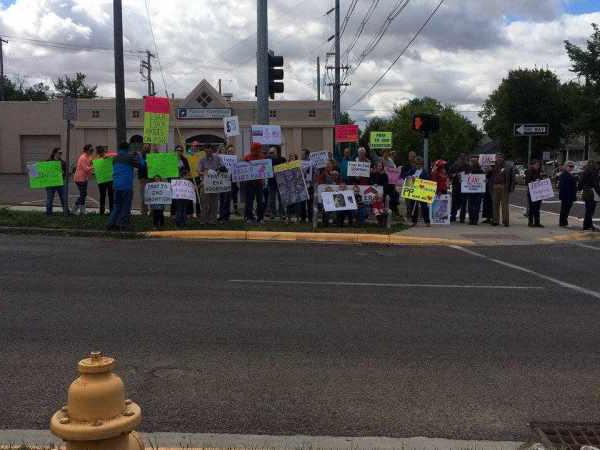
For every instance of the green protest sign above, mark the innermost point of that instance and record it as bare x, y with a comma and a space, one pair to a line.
164, 165
45, 174
103, 169
380, 139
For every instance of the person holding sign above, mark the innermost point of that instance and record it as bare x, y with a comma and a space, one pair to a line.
104, 187
502, 179
83, 172
531, 175
473, 200
590, 185
567, 192
55, 155
254, 189
423, 207
210, 165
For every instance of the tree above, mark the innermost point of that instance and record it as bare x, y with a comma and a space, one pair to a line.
16, 90
526, 96
346, 119
74, 87
456, 135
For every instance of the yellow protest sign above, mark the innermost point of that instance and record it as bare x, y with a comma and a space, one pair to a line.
287, 166
419, 190
156, 120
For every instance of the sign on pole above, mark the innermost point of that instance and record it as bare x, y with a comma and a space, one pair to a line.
156, 120
531, 129
69, 108
380, 139
231, 126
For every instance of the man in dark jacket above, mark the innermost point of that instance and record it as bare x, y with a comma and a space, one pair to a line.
567, 192
459, 201
123, 166
590, 185
502, 179
474, 199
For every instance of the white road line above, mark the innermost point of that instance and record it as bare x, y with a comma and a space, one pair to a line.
549, 212
586, 246
561, 283
392, 285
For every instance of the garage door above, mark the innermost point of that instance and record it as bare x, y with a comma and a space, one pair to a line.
37, 148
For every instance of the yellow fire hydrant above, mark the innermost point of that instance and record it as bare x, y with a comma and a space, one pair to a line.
97, 415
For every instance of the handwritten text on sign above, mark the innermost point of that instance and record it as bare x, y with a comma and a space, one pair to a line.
472, 183
45, 174
359, 169
319, 159
156, 120
541, 190
419, 190
183, 190
158, 193
217, 182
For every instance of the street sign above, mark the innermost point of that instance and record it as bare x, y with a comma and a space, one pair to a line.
531, 129
69, 108
546, 156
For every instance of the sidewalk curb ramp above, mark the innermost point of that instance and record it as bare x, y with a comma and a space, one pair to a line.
276, 236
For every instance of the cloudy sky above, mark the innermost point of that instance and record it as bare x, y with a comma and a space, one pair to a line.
459, 58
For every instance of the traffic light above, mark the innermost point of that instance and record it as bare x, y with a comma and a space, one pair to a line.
275, 75
425, 123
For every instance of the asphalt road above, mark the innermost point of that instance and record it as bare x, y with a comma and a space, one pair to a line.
262, 338
519, 198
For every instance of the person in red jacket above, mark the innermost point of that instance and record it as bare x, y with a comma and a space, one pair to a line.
254, 189
440, 176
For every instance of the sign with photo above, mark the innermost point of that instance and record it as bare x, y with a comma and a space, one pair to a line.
439, 212
266, 134
231, 125
45, 174
259, 169
339, 201
368, 193
307, 171
290, 183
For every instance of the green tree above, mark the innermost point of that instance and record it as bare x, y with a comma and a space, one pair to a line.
16, 90
526, 96
74, 87
346, 119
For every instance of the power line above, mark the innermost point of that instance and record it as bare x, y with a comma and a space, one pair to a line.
162, 73
349, 13
67, 46
361, 27
414, 38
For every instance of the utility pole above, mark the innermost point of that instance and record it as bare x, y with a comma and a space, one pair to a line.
262, 63
220, 87
337, 94
2, 41
119, 73
318, 79
146, 73
586, 137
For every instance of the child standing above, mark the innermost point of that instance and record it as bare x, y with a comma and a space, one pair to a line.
158, 212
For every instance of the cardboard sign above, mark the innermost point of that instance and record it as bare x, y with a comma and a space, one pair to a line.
156, 120
393, 174
473, 183
266, 134
319, 159
419, 190
290, 183
45, 174
339, 201
217, 182
368, 193
228, 161
183, 190
346, 133
103, 170
359, 169
541, 190
487, 160
231, 125
158, 193
259, 169
380, 139
164, 165
439, 213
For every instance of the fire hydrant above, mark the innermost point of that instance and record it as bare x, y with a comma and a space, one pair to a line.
97, 415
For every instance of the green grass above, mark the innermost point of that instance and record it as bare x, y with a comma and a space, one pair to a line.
95, 222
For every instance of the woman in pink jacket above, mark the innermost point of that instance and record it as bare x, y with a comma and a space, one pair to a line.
83, 172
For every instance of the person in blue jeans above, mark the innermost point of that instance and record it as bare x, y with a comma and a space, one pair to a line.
123, 168
55, 155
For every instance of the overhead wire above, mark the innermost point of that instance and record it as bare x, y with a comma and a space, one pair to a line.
347, 17
361, 27
162, 72
66, 46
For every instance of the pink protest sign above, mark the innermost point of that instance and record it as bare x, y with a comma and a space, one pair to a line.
346, 133
158, 105
393, 175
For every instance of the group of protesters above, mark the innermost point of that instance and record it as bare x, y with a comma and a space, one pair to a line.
262, 199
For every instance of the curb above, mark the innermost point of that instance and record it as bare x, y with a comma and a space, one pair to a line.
574, 236
70, 232
276, 236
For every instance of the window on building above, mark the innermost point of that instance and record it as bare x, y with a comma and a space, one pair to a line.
312, 113
136, 114
95, 114
272, 114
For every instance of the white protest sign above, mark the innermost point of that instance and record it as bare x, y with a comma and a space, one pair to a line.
359, 169
183, 190
472, 183
228, 161
231, 126
319, 159
487, 160
266, 134
217, 182
158, 193
259, 169
541, 190
339, 201
367, 192
439, 212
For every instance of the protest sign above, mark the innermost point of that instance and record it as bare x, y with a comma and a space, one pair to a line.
103, 170
156, 120
419, 190
183, 190
266, 134
359, 169
339, 201
487, 160
228, 161
319, 159
158, 193
45, 174
368, 193
472, 183
346, 133
393, 174
380, 139
231, 126
541, 190
307, 171
259, 169
439, 213
290, 183
164, 165
217, 182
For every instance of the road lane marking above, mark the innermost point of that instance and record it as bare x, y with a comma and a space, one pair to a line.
548, 212
393, 285
586, 246
561, 283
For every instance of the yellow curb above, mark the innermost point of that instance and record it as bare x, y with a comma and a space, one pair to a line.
574, 236
271, 235
199, 234
414, 240
373, 238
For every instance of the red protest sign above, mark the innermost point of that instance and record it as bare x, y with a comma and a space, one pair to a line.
346, 133
159, 105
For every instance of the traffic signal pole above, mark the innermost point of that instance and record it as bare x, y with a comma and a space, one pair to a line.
529, 152
426, 151
262, 64
119, 72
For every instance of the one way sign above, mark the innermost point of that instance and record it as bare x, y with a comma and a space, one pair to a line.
531, 129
